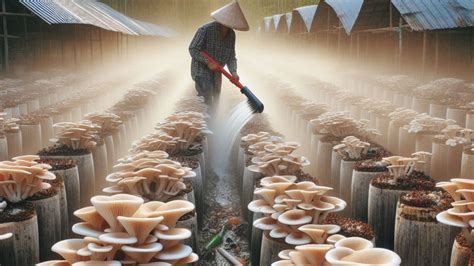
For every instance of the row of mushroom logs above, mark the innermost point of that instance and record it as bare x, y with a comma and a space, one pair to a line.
124, 229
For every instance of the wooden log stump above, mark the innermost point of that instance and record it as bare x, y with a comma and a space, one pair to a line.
118, 144
323, 162
470, 120
445, 161
85, 167
255, 241
191, 224
393, 136
420, 242
3, 148
240, 167
458, 115
31, 138
109, 146
71, 184
345, 185
398, 99
467, 163
49, 225
46, 123
335, 172
22, 248
14, 143
421, 105
76, 114
382, 124
460, 255
99, 155
381, 214
248, 187
23, 107
313, 156
406, 142
270, 249
424, 141
438, 110
360, 194
198, 193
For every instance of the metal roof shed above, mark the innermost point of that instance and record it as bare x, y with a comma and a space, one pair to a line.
92, 12
267, 24
279, 22
347, 11
436, 14
302, 19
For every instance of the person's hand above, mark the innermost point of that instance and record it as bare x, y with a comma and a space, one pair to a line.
236, 76
212, 66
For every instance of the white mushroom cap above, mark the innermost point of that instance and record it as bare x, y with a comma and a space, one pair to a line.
334, 238
294, 217
354, 243
265, 223
285, 254
142, 254
85, 229
373, 256
173, 234
283, 263
118, 238
297, 239
54, 263
5, 236
98, 263
175, 253
68, 249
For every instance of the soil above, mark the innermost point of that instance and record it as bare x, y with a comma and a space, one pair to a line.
47, 193
17, 212
432, 202
196, 150
222, 207
416, 181
187, 216
186, 161
350, 227
371, 165
301, 176
58, 164
62, 150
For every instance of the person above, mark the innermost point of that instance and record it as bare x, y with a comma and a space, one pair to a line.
217, 38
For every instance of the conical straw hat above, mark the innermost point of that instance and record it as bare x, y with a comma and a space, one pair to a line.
231, 16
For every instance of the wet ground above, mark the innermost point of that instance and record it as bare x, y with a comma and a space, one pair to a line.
222, 206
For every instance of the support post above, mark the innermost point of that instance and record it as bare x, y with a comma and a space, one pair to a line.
424, 53
6, 55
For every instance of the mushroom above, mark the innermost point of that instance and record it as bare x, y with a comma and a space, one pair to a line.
139, 227
110, 207
319, 232
372, 256
142, 254
68, 249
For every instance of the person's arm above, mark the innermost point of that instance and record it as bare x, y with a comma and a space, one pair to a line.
232, 64
197, 45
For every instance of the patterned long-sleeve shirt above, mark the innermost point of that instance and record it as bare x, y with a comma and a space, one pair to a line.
223, 51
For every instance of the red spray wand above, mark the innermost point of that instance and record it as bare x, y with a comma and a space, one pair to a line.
255, 104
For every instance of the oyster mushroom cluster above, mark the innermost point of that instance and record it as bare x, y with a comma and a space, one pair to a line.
134, 98
454, 135
193, 104
81, 135
383, 108
8, 125
462, 212
338, 251
22, 177
426, 123
295, 211
108, 122
124, 229
339, 124
178, 133
402, 116
149, 175
270, 158
352, 148
400, 166
449, 91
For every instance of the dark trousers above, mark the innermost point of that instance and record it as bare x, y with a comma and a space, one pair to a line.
209, 89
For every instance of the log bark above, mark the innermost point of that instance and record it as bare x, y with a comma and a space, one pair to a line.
15, 144
240, 167
64, 212
255, 241
382, 124
99, 155
445, 161
271, 248
31, 138
49, 225
421, 105
323, 162
22, 249
73, 194
346, 185
392, 137
198, 193
313, 157
458, 115
3, 148
406, 142
76, 114
467, 165
424, 141
46, 130
381, 215
85, 167
248, 187
470, 120
360, 194
423, 243
438, 110
192, 225
335, 173
109, 146
460, 256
